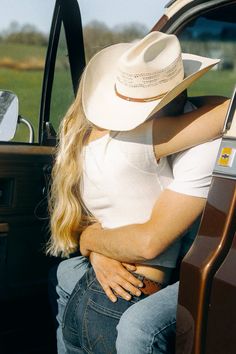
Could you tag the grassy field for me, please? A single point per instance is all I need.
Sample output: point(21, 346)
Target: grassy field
point(214, 83)
point(27, 84)
point(21, 51)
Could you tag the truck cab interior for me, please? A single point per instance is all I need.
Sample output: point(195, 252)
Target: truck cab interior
point(42, 68)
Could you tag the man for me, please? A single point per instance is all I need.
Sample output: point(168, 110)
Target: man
point(174, 212)
point(152, 321)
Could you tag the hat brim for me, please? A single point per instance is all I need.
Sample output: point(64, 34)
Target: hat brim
point(106, 110)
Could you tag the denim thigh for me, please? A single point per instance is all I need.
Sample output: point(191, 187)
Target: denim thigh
point(90, 318)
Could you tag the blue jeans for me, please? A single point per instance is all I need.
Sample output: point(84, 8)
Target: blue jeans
point(90, 318)
point(61, 284)
point(148, 326)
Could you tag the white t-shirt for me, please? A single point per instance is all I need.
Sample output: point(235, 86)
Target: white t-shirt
point(192, 169)
point(122, 180)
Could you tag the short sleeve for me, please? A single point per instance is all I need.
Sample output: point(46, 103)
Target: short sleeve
point(192, 169)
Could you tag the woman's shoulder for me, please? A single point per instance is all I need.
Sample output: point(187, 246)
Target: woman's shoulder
point(140, 135)
point(136, 146)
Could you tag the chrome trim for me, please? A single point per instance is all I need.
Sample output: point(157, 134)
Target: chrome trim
point(29, 126)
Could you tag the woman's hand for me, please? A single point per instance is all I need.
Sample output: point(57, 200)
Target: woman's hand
point(115, 277)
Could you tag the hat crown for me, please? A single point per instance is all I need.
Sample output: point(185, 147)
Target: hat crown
point(150, 68)
point(125, 84)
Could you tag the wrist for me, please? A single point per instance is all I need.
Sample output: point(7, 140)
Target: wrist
point(84, 249)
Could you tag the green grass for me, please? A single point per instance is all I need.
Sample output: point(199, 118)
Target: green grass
point(21, 51)
point(214, 83)
point(27, 85)
point(62, 96)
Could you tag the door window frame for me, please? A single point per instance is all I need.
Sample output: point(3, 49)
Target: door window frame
point(68, 13)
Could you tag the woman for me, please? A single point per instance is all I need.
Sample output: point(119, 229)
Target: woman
point(108, 143)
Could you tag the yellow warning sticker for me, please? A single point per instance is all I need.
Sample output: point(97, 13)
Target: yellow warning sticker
point(226, 157)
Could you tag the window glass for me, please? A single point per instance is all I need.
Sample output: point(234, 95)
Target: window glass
point(24, 31)
point(62, 89)
point(109, 22)
point(213, 35)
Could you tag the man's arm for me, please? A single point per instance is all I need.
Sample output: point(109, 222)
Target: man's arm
point(176, 133)
point(172, 214)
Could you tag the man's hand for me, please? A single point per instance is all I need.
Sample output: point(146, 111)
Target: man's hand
point(89, 230)
point(115, 277)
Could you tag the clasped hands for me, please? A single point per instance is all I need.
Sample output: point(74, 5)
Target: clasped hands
point(114, 277)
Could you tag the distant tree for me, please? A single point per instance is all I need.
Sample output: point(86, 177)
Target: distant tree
point(32, 38)
point(13, 27)
point(98, 35)
point(25, 34)
point(27, 28)
point(129, 32)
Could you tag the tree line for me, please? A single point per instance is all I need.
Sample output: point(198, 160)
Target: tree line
point(96, 34)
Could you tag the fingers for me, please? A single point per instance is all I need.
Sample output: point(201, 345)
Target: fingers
point(106, 287)
point(130, 267)
point(115, 278)
point(125, 284)
point(121, 292)
point(109, 293)
point(113, 290)
point(130, 278)
point(125, 288)
point(118, 287)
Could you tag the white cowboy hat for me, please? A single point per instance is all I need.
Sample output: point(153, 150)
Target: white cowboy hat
point(125, 84)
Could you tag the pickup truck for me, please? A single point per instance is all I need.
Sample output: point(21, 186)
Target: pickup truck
point(39, 72)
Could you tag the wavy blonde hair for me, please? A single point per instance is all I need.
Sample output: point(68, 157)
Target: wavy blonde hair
point(69, 215)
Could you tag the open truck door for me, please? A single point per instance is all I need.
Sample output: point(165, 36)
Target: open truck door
point(206, 305)
point(25, 165)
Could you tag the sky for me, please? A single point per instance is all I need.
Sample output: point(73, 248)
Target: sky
point(112, 12)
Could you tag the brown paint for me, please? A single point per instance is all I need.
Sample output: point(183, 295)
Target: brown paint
point(221, 327)
point(207, 253)
point(160, 24)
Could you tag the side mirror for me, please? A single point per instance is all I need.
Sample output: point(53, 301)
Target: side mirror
point(9, 108)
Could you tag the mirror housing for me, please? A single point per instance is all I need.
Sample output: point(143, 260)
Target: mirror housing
point(9, 109)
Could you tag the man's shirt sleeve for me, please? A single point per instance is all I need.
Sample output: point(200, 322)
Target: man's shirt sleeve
point(192, 169)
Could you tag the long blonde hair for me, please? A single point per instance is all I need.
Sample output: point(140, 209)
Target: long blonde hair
point(68, 213)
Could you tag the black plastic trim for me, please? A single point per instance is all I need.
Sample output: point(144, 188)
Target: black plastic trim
point(74, 36)
point(49, 69)
point(68, 12)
